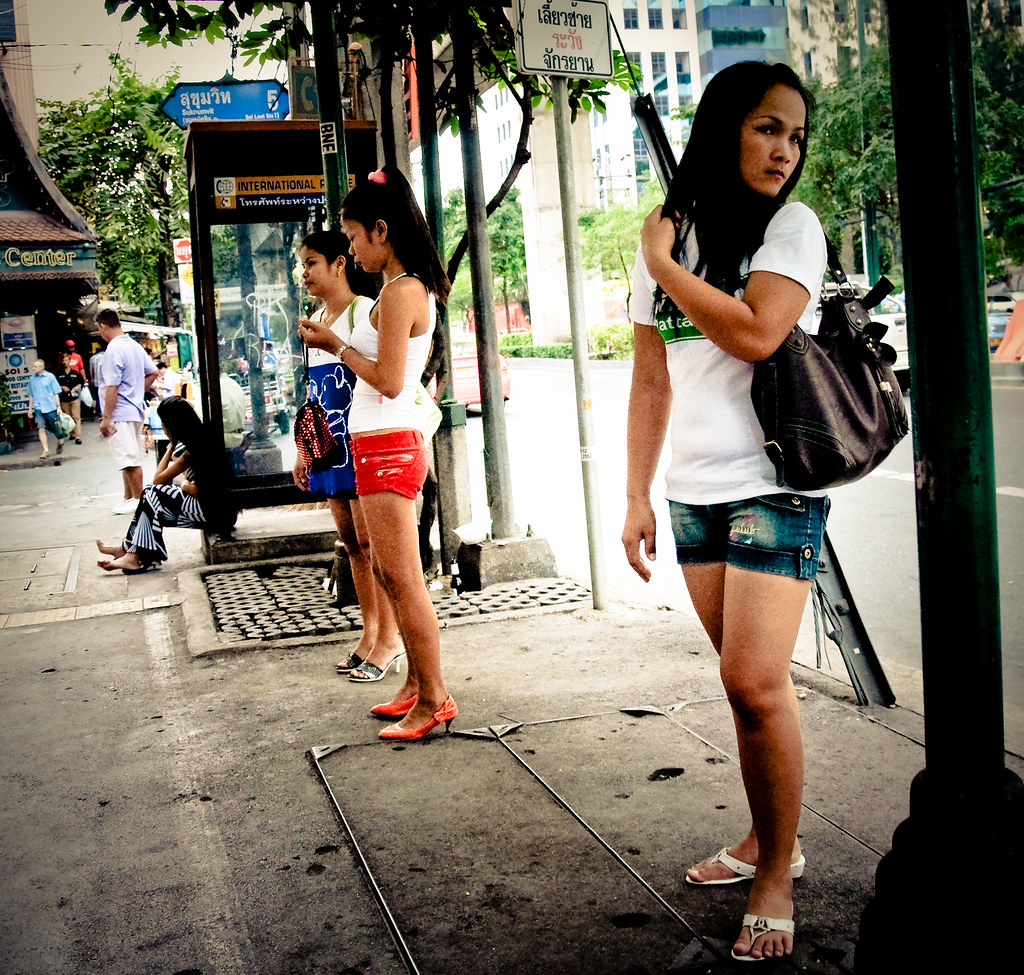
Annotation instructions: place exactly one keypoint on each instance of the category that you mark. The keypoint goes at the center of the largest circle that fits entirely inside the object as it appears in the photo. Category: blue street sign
(226, 100)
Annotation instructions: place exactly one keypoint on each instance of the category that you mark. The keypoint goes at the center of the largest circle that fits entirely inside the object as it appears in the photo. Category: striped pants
(161, 506)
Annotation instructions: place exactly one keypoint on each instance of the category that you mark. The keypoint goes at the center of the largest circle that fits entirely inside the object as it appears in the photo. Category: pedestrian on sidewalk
(330, 276)
(389, 348)
(127, 375)
(725, 269)
(95, 381)
(187, 492)
(71, 382)
(44, 405)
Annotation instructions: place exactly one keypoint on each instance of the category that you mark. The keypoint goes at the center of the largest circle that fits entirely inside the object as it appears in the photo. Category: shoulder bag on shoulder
(830, 405)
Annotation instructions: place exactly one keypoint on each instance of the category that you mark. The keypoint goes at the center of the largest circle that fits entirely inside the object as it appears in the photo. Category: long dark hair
(182, 424)
(209, 471)
(334, 244)
(389, 197)
(728, 218)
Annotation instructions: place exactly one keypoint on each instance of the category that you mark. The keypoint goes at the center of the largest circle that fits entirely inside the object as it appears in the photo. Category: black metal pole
(451, 465)
(496, 466)
(965, 800)
(332, 122)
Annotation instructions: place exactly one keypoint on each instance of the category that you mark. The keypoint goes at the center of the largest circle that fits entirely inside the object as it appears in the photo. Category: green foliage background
(118, 159)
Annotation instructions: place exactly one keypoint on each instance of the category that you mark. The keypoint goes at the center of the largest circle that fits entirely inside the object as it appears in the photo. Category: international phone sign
(570, 38)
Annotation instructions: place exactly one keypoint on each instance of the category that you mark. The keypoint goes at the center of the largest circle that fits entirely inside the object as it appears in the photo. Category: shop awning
(36, 247)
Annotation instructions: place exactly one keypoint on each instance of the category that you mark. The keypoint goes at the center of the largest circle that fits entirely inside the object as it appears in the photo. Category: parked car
(466, 374)
(1003, 301)
(997, 327)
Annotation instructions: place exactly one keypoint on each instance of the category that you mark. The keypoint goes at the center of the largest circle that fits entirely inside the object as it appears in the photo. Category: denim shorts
(390, 462)
(779, 534)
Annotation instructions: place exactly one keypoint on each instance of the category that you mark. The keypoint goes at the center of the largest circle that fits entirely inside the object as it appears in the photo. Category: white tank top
(372, 410)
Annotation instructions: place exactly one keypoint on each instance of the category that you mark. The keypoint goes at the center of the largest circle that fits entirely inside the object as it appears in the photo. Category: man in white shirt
(127, 373)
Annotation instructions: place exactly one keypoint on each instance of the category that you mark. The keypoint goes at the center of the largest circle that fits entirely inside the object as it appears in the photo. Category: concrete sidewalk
(236, 813)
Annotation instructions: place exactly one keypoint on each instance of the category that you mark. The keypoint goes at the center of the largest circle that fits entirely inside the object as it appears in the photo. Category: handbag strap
(883, 286)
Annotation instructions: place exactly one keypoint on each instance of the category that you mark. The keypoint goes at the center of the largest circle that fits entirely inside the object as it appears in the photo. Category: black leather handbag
(830, 405)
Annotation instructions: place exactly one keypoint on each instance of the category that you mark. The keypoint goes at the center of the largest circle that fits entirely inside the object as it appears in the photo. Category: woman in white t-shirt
(725, 270)
(387, 353)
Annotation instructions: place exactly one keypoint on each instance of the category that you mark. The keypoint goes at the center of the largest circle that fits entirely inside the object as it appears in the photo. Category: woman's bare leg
(379, 628)
(391, 522)
(753, 618)
(387, 639)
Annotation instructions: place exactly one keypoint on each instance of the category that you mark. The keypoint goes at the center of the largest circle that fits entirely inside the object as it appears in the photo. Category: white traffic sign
(570, 38)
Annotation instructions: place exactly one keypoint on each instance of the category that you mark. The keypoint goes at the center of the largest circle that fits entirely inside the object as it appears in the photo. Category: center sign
(563, 37)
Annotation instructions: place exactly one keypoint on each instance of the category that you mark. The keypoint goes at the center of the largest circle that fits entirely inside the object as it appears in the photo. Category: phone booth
(255, 190)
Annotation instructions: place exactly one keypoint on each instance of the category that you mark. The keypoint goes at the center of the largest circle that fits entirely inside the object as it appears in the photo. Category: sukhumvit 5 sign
(227, 100)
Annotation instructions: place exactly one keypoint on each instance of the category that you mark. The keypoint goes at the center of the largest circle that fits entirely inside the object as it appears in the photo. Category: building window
(1014, 15)
(808, 71)
(633, 57)
(805, 17)
(630, 18)
(7, 32)
(659, 82)
(684, 82)
(654, 20)
(679, 14)
(641, 160)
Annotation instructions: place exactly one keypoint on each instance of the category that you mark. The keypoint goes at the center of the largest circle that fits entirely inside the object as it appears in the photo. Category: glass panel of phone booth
(258, 298)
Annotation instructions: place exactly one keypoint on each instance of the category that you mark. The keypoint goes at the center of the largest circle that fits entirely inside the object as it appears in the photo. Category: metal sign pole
(580, 356)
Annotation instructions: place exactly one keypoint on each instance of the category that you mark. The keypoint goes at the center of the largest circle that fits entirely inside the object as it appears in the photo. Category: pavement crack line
(315, 754)
(494, 733)
(214, 901)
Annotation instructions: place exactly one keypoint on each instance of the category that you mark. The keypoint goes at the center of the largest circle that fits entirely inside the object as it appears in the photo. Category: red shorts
(390, 462)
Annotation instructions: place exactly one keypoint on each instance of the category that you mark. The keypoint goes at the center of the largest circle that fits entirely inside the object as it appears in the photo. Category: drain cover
(267, 602)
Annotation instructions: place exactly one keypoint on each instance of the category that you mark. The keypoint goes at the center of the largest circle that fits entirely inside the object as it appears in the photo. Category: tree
(999, 91)
(508, 253)
(390, 25)
(844, 169)
(118, 159)
(610, 237)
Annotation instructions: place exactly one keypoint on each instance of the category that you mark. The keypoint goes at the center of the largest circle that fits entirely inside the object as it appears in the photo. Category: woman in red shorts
(389, 236)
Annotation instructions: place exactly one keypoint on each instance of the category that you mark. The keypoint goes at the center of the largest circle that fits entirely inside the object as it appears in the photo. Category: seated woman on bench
(186, 492)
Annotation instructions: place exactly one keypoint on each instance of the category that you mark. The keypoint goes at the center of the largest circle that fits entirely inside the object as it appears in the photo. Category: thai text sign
(239, 192)
(18, 332)
(563, 37)
(224, 101)
(16, 368)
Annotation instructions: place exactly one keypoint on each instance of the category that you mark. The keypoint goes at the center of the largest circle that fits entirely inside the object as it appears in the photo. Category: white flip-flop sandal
(763, 925)
(743, 871)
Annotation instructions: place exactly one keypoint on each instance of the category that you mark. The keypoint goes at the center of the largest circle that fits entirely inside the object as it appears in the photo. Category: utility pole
(451, 463)
(499, 476)
(332, 121)
(965, 799)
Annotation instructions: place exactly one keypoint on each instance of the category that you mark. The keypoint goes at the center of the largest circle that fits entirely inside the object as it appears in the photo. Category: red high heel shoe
(445, 713)
(394, 709)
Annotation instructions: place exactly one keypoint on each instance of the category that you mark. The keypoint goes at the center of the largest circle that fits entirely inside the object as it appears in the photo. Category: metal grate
(276, 601)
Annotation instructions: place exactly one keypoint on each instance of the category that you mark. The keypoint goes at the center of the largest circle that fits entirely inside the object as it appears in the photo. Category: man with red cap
(77, 365)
